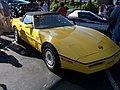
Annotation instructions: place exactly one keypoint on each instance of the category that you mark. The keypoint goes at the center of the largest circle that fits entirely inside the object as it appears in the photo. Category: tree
(72, 3)
(89, 5)
(97, 1)
(54, 5)
(55, 1)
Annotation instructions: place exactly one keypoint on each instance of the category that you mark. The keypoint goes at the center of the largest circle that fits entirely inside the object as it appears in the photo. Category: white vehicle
(88, 19)
(84, 15)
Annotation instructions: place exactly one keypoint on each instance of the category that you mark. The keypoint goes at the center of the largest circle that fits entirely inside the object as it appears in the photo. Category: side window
(86, 15)
(93, 17)
(81, 15)
(27, 19)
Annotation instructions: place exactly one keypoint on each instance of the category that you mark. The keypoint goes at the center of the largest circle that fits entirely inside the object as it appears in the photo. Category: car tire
(51, 58)
(16, 36)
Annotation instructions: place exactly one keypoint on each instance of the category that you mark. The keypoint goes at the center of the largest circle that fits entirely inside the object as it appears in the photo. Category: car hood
(75, 41)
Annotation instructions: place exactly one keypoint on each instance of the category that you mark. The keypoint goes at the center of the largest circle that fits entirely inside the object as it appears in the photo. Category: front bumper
(92, 67)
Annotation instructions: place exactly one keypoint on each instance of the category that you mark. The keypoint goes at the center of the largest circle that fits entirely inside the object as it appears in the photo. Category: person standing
(62, 10)
(39, 7)
(7, 19)
(1, 21)
(45, 6)
(115, 17)
(109, 10)
(102, 10)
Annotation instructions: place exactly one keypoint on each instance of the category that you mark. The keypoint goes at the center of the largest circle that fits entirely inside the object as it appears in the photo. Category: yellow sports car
(65, 45)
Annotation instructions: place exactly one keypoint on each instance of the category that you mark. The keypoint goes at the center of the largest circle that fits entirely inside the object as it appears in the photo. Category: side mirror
(29, 26)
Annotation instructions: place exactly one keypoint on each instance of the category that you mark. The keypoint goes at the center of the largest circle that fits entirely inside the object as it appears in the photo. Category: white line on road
(112, 81)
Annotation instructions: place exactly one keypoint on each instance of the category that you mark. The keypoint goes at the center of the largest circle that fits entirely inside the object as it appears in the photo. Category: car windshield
(50, 21)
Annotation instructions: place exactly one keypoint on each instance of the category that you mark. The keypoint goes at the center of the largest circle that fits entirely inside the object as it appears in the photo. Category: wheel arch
(47, 43)
(58, 57)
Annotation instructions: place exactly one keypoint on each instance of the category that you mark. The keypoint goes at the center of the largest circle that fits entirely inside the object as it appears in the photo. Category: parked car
(18, 7)
(88, 19)
(85, 16)
(65, 45)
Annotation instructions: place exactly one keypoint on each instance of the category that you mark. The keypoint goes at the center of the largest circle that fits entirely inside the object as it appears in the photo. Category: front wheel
(51, 58)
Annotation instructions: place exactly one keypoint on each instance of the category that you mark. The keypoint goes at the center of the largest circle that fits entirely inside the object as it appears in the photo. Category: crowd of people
(112, 12)
(39, 6)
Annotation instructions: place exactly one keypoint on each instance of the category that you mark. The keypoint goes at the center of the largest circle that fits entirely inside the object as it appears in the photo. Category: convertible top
(40, 13)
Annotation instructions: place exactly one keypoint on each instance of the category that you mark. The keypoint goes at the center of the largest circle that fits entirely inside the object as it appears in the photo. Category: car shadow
(3, 86)
(25, 50)
(96, 81)
(5, 43)
(4, 58)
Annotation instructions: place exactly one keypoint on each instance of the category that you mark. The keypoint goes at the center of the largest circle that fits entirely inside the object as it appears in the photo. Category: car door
(26, 30)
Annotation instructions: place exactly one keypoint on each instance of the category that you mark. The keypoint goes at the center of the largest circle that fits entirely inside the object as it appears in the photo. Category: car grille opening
(93, 65)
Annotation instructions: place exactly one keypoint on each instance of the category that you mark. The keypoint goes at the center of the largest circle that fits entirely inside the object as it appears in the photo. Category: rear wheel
(16, 36)
(51, 58)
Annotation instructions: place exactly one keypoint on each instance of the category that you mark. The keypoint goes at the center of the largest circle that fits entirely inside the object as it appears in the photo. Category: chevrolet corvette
(65, 45)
